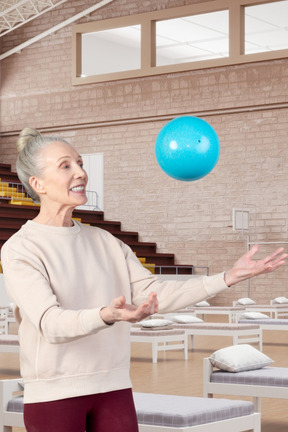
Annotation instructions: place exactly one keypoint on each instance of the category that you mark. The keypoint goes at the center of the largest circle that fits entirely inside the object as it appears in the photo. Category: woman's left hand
(245, 267)
(119, 310)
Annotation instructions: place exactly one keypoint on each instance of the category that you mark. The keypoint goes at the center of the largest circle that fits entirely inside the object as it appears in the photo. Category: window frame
(147, 21)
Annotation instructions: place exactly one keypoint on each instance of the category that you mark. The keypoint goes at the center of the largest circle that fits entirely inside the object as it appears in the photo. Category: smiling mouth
(78, 189)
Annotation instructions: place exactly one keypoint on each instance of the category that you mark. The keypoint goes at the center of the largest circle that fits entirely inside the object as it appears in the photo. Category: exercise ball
(187, 148)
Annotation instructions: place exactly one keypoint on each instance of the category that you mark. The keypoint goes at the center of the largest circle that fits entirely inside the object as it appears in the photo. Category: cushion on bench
(218, 326)
(9, 339)
(268, 376)
(16, 404)
(156, 332)
(184, 411)
(274, 321)
(177, 411)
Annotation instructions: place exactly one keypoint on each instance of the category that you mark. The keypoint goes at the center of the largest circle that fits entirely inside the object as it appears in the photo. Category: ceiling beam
(54, 29)
(22, 12)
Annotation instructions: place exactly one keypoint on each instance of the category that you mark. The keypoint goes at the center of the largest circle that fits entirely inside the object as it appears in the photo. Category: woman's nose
(80, 172)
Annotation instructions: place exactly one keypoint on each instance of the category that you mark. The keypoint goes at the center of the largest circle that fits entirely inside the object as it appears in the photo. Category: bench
(161, 340)
(269, 382)
(278, 324)
(275, 310)
(241, 333)
(155, 412)
(232, 312)
(9, 343)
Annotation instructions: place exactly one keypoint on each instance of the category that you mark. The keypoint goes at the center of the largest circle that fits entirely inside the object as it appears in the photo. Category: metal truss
(14, 13)
(13, 5)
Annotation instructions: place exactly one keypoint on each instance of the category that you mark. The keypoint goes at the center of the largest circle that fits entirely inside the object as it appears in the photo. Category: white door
(93, 165)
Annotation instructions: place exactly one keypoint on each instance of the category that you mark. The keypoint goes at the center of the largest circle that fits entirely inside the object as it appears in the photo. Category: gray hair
(29, 161)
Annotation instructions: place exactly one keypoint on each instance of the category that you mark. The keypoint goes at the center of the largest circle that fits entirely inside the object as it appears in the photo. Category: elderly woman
(75, 289)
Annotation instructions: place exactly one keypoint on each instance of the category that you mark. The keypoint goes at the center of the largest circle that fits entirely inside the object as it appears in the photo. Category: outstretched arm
(245, 267)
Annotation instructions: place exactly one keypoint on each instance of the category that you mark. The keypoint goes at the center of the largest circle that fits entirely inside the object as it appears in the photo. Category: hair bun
(24, 137)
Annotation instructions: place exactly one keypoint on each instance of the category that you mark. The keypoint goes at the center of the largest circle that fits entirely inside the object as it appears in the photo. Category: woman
(75, 289)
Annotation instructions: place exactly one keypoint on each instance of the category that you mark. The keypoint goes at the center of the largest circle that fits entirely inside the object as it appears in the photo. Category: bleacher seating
(16, 209)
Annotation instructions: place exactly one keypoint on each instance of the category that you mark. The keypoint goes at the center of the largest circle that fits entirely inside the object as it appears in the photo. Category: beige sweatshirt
(59, 279)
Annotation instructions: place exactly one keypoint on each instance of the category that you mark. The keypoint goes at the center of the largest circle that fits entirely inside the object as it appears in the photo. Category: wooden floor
(174, 375)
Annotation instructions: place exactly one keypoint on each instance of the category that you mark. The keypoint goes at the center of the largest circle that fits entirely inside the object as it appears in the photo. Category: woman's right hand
(119, 310)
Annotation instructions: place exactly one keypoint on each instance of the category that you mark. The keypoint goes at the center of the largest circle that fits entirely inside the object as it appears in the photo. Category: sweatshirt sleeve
(28, 287)
(172, 294)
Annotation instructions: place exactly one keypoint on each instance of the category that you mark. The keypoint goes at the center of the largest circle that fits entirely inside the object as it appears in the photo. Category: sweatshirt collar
(54, 229)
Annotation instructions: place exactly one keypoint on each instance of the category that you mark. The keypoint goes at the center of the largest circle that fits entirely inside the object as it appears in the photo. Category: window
(192, 38)
(109, 51)
(210, 34)
(266, 27)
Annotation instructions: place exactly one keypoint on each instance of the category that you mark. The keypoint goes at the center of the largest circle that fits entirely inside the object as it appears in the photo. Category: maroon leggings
(103, 412)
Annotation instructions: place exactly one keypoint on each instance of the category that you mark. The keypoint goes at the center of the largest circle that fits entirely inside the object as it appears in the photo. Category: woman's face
(63, 180)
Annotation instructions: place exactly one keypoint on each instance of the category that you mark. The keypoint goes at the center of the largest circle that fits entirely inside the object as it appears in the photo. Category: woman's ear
(37, 185)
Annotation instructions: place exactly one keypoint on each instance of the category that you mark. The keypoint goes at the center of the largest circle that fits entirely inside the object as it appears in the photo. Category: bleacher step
(13, 216)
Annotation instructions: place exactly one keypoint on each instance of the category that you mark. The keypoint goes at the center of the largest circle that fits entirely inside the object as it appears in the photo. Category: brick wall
(247, 106)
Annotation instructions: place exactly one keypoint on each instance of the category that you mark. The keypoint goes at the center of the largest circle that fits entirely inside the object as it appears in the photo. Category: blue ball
(187, 148)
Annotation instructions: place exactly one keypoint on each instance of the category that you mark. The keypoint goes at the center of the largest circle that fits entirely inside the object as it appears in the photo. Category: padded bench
(269, 382)
(275, 310)
(156, 413)
(241, 333)
(277, 324)
(161, 340)
(232, 312)
(9, 343)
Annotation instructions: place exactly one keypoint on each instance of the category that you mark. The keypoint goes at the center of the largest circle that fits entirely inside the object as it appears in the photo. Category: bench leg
(186, 347)
(154, 351)
(257, 404)
(260, 341)
(191, 342)
(257, 425)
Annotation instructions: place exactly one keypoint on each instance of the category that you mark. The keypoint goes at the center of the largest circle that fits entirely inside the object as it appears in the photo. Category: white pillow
(281, 300)
(237, 358)
(155, 323)
(246, 301)
(186, 319)
(202, 304)
(254, 315)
